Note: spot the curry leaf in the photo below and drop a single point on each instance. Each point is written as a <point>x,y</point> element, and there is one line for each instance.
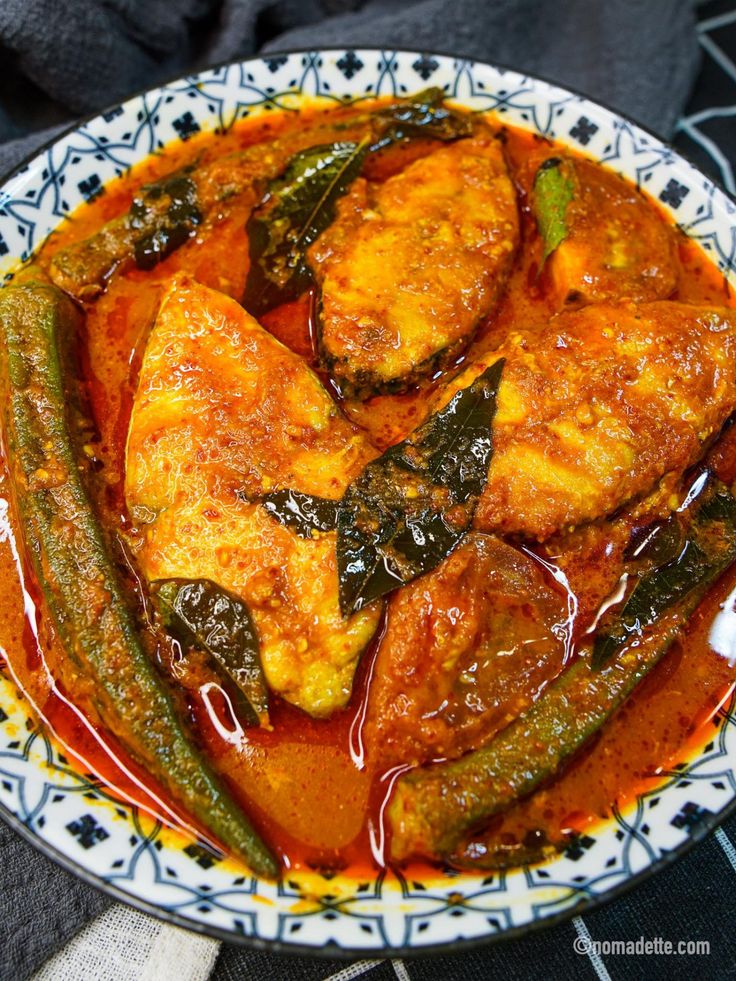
<point>656,543</point>
<point>554,189</point>
<point>305,513</point>
<point>202,614</point>
<point>298,207</point>
<point>409,508</point>
<point>708,546</point>
<point>163,216</point>
<point>421,115</point>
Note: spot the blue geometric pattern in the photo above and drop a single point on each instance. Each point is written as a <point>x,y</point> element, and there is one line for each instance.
<point>129,849</point>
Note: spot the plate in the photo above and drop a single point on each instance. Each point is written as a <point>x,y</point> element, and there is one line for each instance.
<point>75,820</point>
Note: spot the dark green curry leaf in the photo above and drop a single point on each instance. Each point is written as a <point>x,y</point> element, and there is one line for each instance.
<point>421,115</point>
<point>656,543</point>
<point>554,189</point>
<point>409,508</point>
<point>297,208</point>
<point>708,546</point>
<point>305,513</point>
<point>163,216</point>
<point>204,615</point>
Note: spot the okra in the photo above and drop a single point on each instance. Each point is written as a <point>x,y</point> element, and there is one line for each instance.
<point>434,807</point>
<point>84,595</point>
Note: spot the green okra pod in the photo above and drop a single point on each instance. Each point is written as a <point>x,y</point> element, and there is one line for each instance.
<point>84,595</point>
<point>434,807</point>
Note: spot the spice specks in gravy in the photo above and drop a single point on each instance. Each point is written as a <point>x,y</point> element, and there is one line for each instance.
<point>395,426</point>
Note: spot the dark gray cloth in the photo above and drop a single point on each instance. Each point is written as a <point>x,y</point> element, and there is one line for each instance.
<point>63,59</point>
<point>60,60</point>
<point>41,906</point>
<point>640,57</point>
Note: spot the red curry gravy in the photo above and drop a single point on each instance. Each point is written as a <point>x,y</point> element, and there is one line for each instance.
<point>304,782</point>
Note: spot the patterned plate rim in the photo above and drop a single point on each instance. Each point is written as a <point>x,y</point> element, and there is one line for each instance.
<point>334,952</point>
<point>331,951</point>
<point>501,66</point>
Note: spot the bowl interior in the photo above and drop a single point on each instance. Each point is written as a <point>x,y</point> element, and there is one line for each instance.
<point>77,820</point>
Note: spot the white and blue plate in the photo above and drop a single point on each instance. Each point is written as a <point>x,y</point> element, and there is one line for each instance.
<point>71,816</point>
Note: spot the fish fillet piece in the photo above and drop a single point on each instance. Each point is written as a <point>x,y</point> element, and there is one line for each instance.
<point>223,414</point>
<point>599,405</point>
<point>410,266</point>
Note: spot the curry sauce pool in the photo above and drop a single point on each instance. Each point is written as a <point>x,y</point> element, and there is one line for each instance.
<point>292,779</point>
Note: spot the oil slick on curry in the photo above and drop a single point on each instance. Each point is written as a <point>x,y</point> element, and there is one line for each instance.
<point>374,473</point>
